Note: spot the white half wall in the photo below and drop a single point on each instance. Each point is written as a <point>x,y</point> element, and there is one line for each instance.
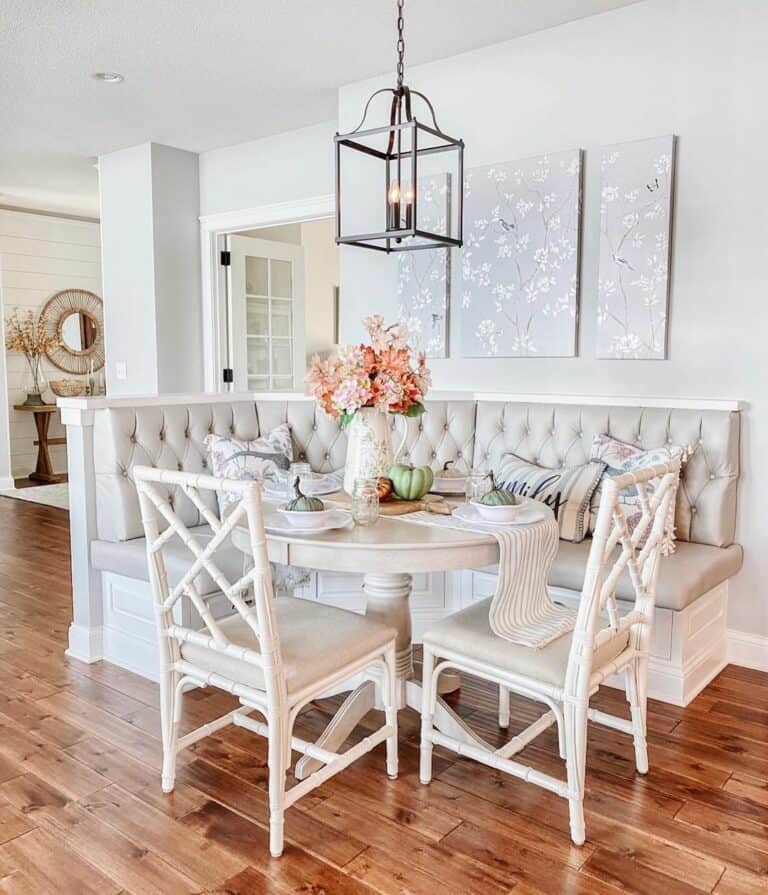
<point>695,68</point>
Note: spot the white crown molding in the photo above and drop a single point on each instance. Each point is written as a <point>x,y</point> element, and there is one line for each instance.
<point>269,215</point>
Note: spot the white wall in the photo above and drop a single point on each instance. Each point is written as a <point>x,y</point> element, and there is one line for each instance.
<point>127,251</point>
<point>151,261</point>
<point>39,256</point>
<point>696,68</point>
<point>321,259</point>
<point>178,298</point>
<point>294,165</point>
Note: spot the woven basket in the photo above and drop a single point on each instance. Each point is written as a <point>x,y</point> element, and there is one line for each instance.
<point>67,388</point>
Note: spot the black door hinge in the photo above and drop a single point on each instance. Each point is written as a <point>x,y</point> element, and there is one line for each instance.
<point>226,259</point>
<point>228,375</point>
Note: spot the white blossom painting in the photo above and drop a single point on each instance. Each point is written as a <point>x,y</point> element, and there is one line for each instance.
<point>520,260</point>
<point>635,221</point>
<point>424,277</point>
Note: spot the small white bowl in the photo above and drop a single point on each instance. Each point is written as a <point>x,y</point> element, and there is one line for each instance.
<point>501,513</point>
<point>306,519</point>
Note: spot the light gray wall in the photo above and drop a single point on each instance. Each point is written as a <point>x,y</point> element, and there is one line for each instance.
<point>294,165</point>
<point>178,299</point>
<point>150,204</point>
<point>127,264</point>
<point>696,68</point>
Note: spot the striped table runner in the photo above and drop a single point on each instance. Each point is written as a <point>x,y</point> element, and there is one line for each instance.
<point>521,610</point>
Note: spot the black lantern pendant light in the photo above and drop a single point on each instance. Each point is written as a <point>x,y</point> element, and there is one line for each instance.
<point>379,171</point>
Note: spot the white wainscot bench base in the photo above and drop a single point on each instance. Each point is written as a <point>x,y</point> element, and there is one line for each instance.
<point>688,650</point>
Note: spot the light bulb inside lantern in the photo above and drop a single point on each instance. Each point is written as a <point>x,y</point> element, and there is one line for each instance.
<point>394,193</point>
<point>408,197</point>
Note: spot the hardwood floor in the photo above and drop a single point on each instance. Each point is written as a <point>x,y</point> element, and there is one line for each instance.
<point>81,809</point>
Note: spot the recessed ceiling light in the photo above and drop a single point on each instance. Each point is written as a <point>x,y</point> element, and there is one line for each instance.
<point>111,77</point>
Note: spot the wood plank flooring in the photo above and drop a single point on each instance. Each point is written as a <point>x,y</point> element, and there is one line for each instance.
<point>81,810</point>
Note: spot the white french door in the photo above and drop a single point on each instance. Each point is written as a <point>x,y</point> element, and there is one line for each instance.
<point>266,314</point>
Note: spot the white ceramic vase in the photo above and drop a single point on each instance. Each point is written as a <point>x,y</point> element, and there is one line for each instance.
<point>369,446</point>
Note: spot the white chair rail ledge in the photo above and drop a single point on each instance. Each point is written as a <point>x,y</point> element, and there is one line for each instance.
<point>107,438</point>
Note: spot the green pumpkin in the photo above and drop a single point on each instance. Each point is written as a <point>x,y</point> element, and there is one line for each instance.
<point>303,504</point>
<point>498,497</point>
<point>411,483</point>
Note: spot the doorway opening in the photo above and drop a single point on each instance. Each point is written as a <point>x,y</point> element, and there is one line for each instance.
<point>280,304</point>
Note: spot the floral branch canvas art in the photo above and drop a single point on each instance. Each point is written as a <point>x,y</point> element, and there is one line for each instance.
<point>635,225</point>
<point>424,277</point>
<point>520,261</point>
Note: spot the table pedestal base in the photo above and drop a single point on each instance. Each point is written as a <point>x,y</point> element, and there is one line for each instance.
<point>387,601</point>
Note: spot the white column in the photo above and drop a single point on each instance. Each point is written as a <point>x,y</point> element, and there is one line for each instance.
<point>86,630</point>
<point>150,245</point>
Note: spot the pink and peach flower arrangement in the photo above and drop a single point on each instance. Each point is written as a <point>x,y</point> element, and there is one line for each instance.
<point>381,375</point>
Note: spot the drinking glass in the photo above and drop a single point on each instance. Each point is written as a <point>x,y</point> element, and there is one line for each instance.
<point>302,471</point>
<point>477,485</point>
<point>365,501</point>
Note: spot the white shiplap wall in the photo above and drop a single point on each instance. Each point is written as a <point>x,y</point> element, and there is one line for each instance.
<point>41,255</point>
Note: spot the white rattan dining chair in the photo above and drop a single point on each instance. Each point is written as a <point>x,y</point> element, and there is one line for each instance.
<point>275,655</point>
<point>567,672</point>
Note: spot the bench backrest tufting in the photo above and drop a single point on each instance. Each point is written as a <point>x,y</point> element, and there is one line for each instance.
<point>173,436</point>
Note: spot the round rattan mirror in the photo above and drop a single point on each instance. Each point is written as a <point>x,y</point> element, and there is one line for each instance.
<point>75,318</point>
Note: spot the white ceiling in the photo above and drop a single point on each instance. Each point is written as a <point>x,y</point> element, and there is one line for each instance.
<point>206,73</point>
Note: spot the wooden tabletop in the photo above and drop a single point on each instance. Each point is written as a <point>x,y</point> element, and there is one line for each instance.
<point>36,408</point>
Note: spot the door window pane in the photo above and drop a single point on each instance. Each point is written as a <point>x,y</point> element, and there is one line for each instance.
<point>258,383</point>
<point>282,364</point>
<point>281,319</point>
<point>282,383</point>
<point>257,316</point>
<point>256,275</point>
<point>281,278</point>
<point>258,357</point>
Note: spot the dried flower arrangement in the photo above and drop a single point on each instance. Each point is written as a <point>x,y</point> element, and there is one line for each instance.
<point>26,334</point>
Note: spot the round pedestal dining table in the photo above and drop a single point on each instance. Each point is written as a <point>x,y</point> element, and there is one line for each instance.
<point>388,553</point>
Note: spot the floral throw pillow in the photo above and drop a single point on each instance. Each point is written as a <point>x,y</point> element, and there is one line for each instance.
<point>621,457</point>
<point>249,460</point>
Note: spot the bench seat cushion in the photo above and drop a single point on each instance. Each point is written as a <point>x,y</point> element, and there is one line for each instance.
<point>129,558</point>
<point>315,641</point>
<point>469,633</point>
<point>691,571</point>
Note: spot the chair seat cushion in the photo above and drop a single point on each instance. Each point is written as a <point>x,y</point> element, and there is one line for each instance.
<point>129,558</point>
<point>469,633</point>
<point>691,571</point>
<point>315,641</point>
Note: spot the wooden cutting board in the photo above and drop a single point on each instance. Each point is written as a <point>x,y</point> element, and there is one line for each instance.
<point>395,507</point>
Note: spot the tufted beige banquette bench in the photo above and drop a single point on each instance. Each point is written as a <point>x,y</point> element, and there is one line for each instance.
<point>112,606</point>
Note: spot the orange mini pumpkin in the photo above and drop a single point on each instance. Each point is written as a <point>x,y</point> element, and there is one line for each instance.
<point>384,488</point>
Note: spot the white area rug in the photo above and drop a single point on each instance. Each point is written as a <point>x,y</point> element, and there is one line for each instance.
<point>50,495</point>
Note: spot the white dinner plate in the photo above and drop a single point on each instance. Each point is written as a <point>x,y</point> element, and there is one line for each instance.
<point>448,486</point>
<point>276,523</point>
<point>533,511</point>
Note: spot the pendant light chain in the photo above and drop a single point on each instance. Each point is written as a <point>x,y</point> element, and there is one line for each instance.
<point>400,45</point>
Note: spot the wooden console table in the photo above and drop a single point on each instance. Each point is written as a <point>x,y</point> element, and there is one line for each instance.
<point>44,469</point>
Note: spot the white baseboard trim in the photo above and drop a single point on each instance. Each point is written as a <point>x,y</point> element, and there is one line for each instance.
<point>748,650</point>
<point>7,483</point>
<point>85,644</point>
